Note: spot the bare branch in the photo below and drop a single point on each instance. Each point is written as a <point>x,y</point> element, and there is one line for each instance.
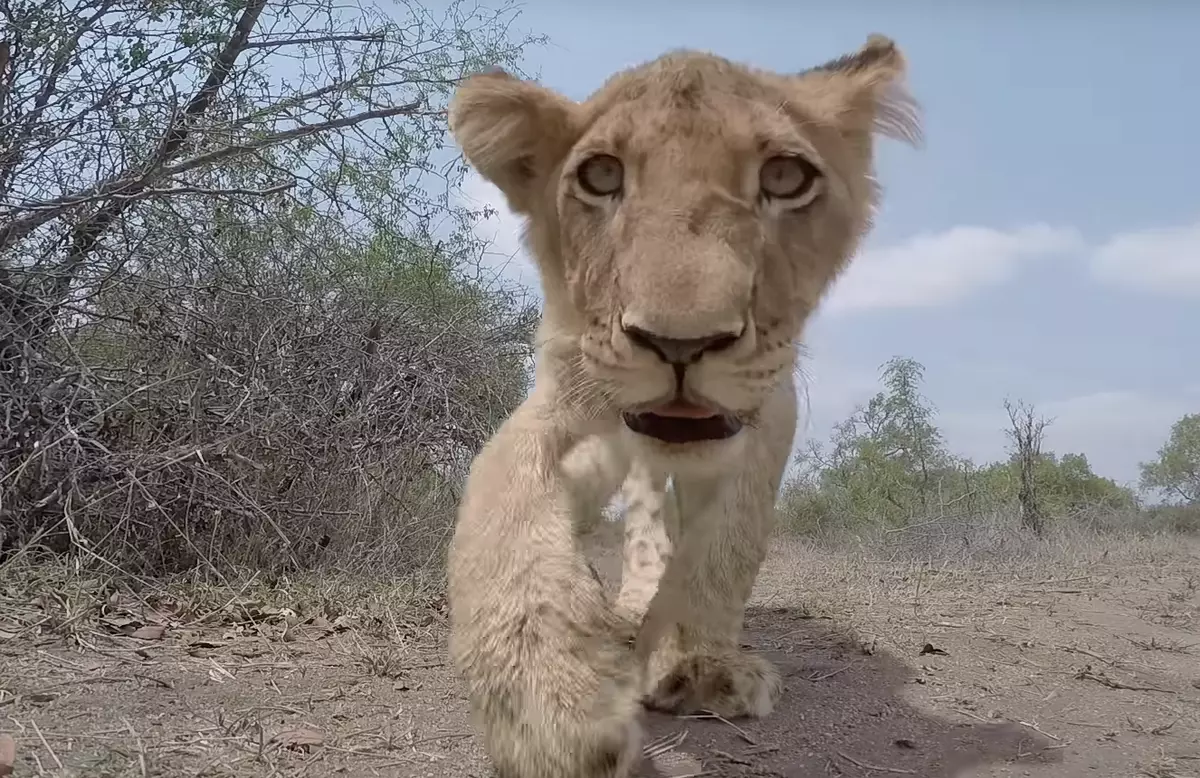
<point>208,191</point>
<point>366,37</point>
<point>128,187</point>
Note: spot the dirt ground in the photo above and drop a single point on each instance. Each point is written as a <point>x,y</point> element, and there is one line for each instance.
<point>1079,666</point>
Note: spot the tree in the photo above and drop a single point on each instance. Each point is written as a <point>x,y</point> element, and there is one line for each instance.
<point>241,318</point>
<point>1026,431</point>
<point>886,462</point>
<point>1065,486</point>
<point>1176,471</point>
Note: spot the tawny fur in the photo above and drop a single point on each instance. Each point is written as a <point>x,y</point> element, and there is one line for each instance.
<point>687,250</point>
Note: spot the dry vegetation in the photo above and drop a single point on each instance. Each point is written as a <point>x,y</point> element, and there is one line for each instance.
<point>1071,656</point>
<point>242,321</point>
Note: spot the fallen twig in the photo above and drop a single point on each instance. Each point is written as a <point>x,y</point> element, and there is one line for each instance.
<point>1087,674</point>
<point>876,768</point>
<point>46,745</point>
<point>1086,652</point>
<point>1035,728</point>
<point>823,676</point>
<point>731,758</point>
<point>1050,581</point>
<point>662,745</point>
<point>759,750</point>
<point>710,715</point>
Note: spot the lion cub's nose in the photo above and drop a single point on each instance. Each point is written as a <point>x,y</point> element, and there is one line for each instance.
<point>680,351</point>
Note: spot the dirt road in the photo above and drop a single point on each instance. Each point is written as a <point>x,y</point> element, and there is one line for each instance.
<point>1089,667</point>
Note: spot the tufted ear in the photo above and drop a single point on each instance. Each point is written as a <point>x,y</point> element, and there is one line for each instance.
<point>513,132</point>
<point>863,92</point>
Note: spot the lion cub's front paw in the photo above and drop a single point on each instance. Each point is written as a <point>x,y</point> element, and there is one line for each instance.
<point>603,740</point>
<point>571,709</point>
<point>728,683</point>
<point>575,749</point>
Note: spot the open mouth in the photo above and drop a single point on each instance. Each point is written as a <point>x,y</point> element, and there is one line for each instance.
<point>680,422</point>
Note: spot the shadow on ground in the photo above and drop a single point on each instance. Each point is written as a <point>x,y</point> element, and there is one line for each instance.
<point>843,712</point>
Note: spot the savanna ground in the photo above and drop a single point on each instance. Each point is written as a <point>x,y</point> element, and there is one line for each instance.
<point>1076,656</point>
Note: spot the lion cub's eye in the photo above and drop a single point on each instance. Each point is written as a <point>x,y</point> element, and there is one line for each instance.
<point>789,178</point>
<point>601,175</point>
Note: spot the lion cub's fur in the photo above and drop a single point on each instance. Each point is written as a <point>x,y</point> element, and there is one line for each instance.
<point>689,248</point>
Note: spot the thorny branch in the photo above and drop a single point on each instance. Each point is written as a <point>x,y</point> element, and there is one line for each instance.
<point>242,319</point>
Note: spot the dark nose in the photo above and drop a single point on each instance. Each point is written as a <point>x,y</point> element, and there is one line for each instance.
<point>680,351</point>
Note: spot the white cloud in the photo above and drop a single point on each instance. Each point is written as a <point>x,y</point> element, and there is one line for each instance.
<point>943,268</point>
<point>1162,261</point>
<point>506,256</point>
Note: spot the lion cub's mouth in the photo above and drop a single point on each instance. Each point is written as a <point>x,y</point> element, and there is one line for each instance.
<point>680,421</point>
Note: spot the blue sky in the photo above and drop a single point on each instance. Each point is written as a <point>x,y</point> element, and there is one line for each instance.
<point>1043,245</point>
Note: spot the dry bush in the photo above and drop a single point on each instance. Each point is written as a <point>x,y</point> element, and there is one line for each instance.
<point>241,318</point>
<point>998,538</point>
<point>262,430</point>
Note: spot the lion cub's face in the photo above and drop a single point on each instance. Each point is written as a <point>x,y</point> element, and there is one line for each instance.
<point>687,218</point>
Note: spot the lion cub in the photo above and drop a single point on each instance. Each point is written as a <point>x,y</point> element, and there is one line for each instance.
<point>686,220</point>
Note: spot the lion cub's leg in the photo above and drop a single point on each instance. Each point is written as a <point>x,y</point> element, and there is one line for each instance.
<point>651,526</point>
<point>595,468</point>
<point>699,665</point>
<point>547,664</point>
<point>723,537</point>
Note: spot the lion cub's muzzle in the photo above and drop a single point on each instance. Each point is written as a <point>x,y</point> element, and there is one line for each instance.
<point>680,419</point>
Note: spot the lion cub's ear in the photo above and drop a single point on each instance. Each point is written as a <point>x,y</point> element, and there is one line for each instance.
<point>863,92</point>
<point>513,132</point>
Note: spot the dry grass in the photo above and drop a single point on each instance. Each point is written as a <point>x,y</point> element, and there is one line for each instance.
<point>113,677</point>
<point>995,538</point>
<point>50,595</point>
<point>1077,658</point>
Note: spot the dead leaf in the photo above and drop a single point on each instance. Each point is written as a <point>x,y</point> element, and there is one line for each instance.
<point>298,739</point>
<point>8,754</point>
<point>149,632</point>
<point>41,698</point>
<point>118,623</point>
<point>262,630</point>
<point>928,648</point>
<point>248,652</point>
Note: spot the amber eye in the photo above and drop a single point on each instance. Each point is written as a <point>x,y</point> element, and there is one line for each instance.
<point>601,175</point>
<point>789,178</point>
